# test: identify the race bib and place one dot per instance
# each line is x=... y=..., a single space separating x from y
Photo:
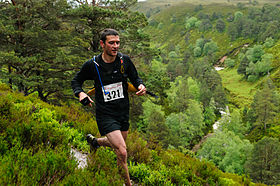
x=115 y=91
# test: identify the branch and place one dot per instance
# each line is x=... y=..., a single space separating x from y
x=14 y=3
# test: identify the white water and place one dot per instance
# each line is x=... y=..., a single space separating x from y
x=219 y=68
x=223 y=113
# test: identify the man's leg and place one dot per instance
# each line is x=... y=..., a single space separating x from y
x=117 y=141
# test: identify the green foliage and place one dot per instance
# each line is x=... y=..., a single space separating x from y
x=234 y=124
x=204 y=25
x=178 y=94
x=263 y=112
x=197 y=52
x=238 y=15
x=186 y=127
x=264 y=161
x=24 y=167
x=256 y=62
x=209 y=114
x=42 y=41
x=269 y=42
x=191 y=22
x=36 y=60
x=172 y=170
x=229 y=62
x=220 y=25
x=137 y=149
x=254 y=54
x=210 y=48
x=227 y=151
x=35 y=146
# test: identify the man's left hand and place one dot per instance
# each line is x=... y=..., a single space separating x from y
x=142 y=90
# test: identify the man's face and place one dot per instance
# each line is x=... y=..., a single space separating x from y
x=111 y=45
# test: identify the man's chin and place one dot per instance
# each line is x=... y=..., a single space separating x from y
x=114 y=53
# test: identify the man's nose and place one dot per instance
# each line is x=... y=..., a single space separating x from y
x=115 y=44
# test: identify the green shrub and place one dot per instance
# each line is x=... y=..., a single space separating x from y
x=103 y=164
x=229 y=63
x=47 y=166
x=137 y=149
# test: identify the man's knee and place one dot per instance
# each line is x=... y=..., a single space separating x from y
x=122 y=153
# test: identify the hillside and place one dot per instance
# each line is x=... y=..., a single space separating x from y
x=167 y=30
x=239 y=41
x=36 y=143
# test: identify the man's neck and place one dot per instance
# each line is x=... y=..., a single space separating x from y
x=107 y=58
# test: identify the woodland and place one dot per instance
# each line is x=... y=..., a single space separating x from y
x=214 y=66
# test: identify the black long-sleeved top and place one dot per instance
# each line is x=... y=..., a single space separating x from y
x=110 y=74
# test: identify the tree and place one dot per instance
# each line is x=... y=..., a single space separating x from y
x=36 y=42
x=234 y=124
x=210 y=83
x=210 y=48
x=255 y=13
x=229 y=62
x=178 y=95
x=220 y=25
x=264 y=161
x=154 y=123
x=195 y=122
x=44 y=42
x=269 y=42
x=190 y=23
x=250 y=28
x=176 y=122
x=238 y=15
x=200 y=43
x=209 y=114
x=186 y=127
x=255 y=53
x=244 y=63
x=227 y=151
x=265 y=107
x=264 y=66
x=205 y=25
x=233 y=32
x=197 y=52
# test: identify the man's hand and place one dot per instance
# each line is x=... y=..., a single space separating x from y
x=83 y=95
x=142 y=90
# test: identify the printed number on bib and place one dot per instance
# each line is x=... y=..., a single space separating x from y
x=115 y=91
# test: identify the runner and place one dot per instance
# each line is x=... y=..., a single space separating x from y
x=110 y=71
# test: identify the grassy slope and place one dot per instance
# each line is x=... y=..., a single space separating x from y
x=241 y=92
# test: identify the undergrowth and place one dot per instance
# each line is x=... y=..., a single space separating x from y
x=36 y=140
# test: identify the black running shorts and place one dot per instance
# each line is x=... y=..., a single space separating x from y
x=109 y=124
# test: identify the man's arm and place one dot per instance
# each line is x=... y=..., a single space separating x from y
x=134 y=78
x=84 y=74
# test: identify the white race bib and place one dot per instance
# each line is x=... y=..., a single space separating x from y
x=115 y=91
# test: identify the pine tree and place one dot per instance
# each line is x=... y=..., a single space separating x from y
x=264 y=162
x=34 y=46
x=265 y=107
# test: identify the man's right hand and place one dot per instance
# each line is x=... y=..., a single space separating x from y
x=83 y=95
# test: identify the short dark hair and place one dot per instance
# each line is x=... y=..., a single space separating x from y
x=107 y=32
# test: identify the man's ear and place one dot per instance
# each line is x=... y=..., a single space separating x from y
x=101 y=43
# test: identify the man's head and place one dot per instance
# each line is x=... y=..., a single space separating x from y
x=110 y=42
x=107 y=32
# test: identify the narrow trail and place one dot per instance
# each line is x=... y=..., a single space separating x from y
x=80 y=157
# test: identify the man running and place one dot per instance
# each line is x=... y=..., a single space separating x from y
x=110 y=71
